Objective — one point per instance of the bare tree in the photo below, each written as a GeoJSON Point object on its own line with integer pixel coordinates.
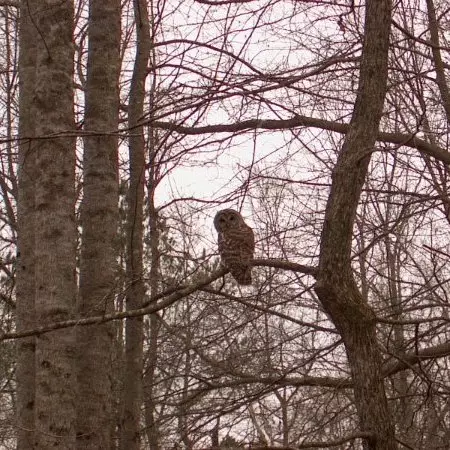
{"type": "Point", "coordinates": [132, 384]}
{"type": "Point", "coordinates": [99, 222]}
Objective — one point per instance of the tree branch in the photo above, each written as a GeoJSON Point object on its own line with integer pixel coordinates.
{"type": "Point", "coordinates": [323, 444]}
{"type": "Point", "coordinates": [399, 139]}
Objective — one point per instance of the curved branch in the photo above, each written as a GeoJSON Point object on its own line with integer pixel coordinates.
{"type": "Point", "coordinates": [413, 358]}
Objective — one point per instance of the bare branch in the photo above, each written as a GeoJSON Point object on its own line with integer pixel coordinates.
{"type": "Point", "coordinates": [151, 308]}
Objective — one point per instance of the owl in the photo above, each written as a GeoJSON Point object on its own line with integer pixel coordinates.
{"type": "Point", "coordinates": [236, 244]}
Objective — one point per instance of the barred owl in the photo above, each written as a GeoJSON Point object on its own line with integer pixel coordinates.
{"type": "Point", "coordinates": [236, 244]}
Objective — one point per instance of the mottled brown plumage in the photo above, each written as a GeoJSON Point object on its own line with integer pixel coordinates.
{"type": "Point", "coordinates": [236, 244]}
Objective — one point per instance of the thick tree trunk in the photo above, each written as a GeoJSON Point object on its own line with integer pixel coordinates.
{"type": "Point", "coordinates": [55, 229]}
{"type": "Point", "coordinates": [25, 312]}
{"type": "Point", "coordinates": [336, 286]}
{"type": "Point", "coordinates": [99, 219]}
{"type": "Point", "coordinates": [132, 386]}
{"type": "Point", "coordinates": [439, 65]}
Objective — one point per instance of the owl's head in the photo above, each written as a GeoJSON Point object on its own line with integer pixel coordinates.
{"type": "Point", "coordinates": [227, 219]}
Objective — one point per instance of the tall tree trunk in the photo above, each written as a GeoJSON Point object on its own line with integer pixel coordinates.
{"type": "Point", "coordinates": [154, 276]}
{"type": "Point", "coordinates": [151, 425]}
{"type": "Point", "coordinates": [132, 386]}
{"type": "Point", "coordinates": [55, 228]}
{"type": "Point", "coordinates": [25, 311]}
{"type": "Point", "coordinates": [99, 219]}
{"type": "Point", "coordinates": [336, 287]}
{"type": "Point", "coordinates": [152, 349]}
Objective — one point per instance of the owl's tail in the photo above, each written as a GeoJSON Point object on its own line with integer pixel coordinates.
{"type": "Point", "coordinates": [243, 276]}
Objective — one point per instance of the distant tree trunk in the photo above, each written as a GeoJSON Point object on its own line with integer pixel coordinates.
{"type": "Point", "coordinates": [55, 228]}
{"type": "Point", "coordinates": [183, 408]}
{"type": "Point", "coordinates": [99, 219]}
{"type": "Point", "coordinates": [132, 385]}
{"type": "Point", "coordinates": [404, 417]}
{"type": "Point", "coordinates": [25, 312]}
{"type": "Point", "coordinates": [336, 286]}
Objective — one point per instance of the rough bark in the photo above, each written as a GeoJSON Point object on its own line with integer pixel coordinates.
{"type": "Point", "coordinates": [55, 230]}
{"type": "Point", "coordinates": [25, 370]}
{"type": "Point", "coordinates": [336, 286]}
{"type": "Point", "coordinates": [132, 386]}
{"type": "Point", "coordinates": [99, 219]}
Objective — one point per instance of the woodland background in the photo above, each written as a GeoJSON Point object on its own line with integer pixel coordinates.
{"type": "Point", "coordinates": [125, 125]}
